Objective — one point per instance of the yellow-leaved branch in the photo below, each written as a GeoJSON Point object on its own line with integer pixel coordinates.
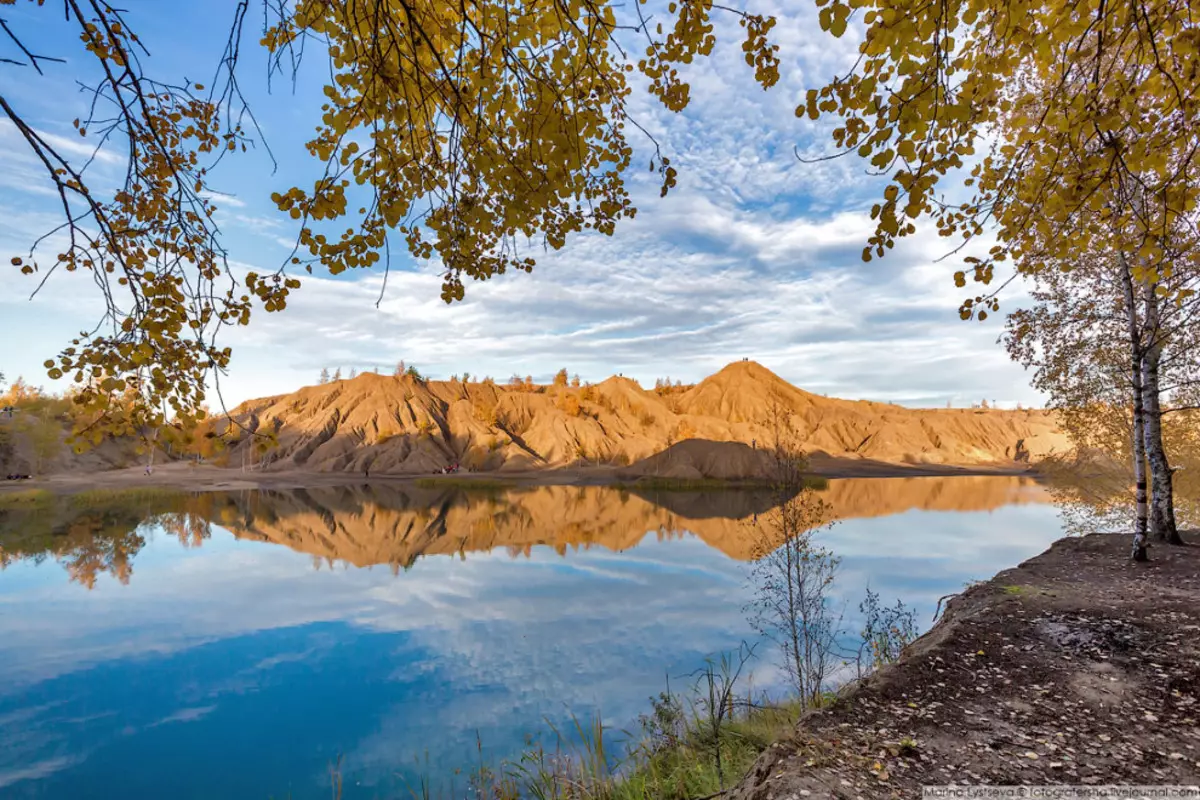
{"type": "Point", "coordinates": [1076, 123]}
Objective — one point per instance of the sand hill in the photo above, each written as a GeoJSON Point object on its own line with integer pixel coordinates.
{"type": "Point", "coordinates": [716, 428]}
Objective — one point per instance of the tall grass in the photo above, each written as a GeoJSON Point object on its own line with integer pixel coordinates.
{"type": "Point", "coordinates": [25, 499]}
{"type": "Point", "coordinates": [673, 757]}
{"type": "Point", "coordinates": [32, 499]}
{"type": "Point", "coordinates": [93, 498]}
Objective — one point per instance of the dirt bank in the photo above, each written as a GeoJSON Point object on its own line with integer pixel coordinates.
{"type": "Point", "coordinates": [1077, 667]}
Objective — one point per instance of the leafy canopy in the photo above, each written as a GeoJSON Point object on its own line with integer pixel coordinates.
{"type": "Point", "coordinates": [1090, 108]}
{"type": "Point", "coordinates": [475, 125]}
{"type": "Point", "coordinates": [462, 127]}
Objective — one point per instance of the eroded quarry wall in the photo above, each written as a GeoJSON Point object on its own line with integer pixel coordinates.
{"type": "Point", "coordinates": [406, 425]}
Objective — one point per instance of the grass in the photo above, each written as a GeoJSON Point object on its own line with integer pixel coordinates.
{"type": "Point", "coordinates": [25, 499]}
{"type": "Point", "coordinates": [103, 497]}
{"type": "Point", "coordinates": [686, 766]}
{"type": "Point", "coordinates": [34, 499]}
{"type": "Point", "coordinates": [468, 484]}
{"type": "Point", "coordinates": [675, 758]}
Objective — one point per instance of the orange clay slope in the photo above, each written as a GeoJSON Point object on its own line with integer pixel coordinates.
{"type": "Point", "coordinates": [716, 428]}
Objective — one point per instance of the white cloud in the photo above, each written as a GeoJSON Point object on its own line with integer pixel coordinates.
{"type": "Point", "coordinates": [754, 254]}
{"type": "Point", "coordinates": [793, 295]}
{"type": "Point", "coordinates": [222, 200]}
{"type": "Point", "coordinates": [76, 148]}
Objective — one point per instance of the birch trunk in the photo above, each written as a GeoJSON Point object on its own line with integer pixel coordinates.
{"type": "Point", "coordinates": [151, 442]}
{"type": "Point", "coordinates": [1162, 505]}
{"type": "Point", "coordinates": [1135, 375]}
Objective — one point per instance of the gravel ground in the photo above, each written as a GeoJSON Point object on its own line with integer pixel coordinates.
{"type": "Point", "coordinates": [1077, 667]}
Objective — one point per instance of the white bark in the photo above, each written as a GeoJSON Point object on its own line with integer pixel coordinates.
{"type": "Point", "coordinates": [1135, 375]}
{"type": "Point", "coordinates": [1162, 506]}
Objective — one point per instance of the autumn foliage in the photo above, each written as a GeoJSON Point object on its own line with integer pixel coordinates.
{"type": "Point", "coordinates": [487, 125]}
{"type": "Point", "coordinates": [1090, 107]}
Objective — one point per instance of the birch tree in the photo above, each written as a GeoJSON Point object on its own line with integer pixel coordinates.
{"type": "Point", "coordinates": [792, 575]}
{"type": "Point", "coordinates": [1138, 390]}
{"type": "Point", "coordinates": [1109, 352]}
{"type": "Point", "coordinates": [1158, 336]}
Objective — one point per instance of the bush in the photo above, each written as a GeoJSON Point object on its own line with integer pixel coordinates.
{"type": "Point", "coordinates": [485, 410]}
{"type": "Point", "coordinates": [569, 404]}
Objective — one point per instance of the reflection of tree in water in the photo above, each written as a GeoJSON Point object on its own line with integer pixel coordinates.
{"type": "Point", "coordinates": [792, 577]}
{"type": "Point", "coordinates": [91, 537]}
{"type": "Point", "coordinates": [95, 547]}
{"type": "Point", "coordinates": [1094, 493]}
{"type": "Point", "coordinates": [85, 543]}
{"type": "Point", "coordinates": [191, 530]}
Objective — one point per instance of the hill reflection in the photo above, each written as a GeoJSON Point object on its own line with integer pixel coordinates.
{"type": "Point", "coordinates": [396, 525]}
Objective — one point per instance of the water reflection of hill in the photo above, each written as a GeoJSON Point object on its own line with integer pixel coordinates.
{"type": "Point", "coordinates": [394, 527]}
{"type": "Point", "coordinates": [389, 525]}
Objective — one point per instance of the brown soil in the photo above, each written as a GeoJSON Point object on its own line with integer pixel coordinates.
{"type": "Point", "coordinates": [1077, 667]}
{"type": "Point", "coordinates": [409, 426]}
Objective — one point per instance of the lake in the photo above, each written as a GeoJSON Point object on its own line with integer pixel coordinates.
{"type": "Point", "coordinates": [237, 645]}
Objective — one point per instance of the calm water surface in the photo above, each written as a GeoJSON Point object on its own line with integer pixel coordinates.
{"type": "Point", "coordinates": [235, 646]}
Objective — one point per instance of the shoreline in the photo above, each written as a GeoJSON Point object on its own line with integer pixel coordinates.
{"type": "Point", "coordinates": [1076, 667]}
{"type": "Point", "coordinates": [1062, 671]}
{"type": "Point", "coordinates": [186, 476]}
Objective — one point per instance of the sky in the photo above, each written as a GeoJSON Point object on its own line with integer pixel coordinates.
{"type": "Point", "coordinates": [754, 254]}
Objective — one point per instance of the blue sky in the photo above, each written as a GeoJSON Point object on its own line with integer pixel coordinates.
{"type": "Point", "coordinates": [755, 254]}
